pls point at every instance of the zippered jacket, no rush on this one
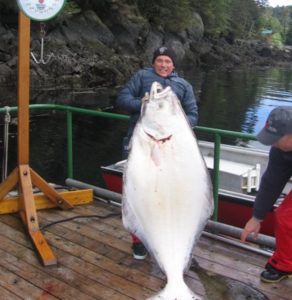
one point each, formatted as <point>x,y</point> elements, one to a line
<point>274,179</point>
<point>129,98</point>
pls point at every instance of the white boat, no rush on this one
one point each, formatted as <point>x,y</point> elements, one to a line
<point>240,172</point>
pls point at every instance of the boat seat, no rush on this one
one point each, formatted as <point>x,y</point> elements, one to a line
<point>249,174</point>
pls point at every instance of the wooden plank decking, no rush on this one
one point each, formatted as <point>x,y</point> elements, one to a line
<point>95,262</point>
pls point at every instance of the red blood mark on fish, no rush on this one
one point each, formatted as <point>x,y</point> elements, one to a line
<point>155,150</point>
<point>163,140</point>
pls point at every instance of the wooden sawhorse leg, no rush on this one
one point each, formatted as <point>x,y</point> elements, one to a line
<point>26,177</point>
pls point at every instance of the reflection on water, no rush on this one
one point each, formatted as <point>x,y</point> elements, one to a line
<point>238,100</point>
<point>241,100</point>
<point>276,91</point>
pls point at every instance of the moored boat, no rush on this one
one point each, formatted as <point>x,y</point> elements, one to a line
<point>240,171</point>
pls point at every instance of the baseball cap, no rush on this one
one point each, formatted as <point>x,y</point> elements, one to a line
<point>164,51</point>
<point>278,124</point>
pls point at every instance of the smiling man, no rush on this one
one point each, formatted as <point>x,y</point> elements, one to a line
<point>163,64</point>
<point>277,132</point>
<point>132,95</point>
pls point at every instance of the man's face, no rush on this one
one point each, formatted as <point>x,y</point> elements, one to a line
<point>163,65</point>
<point>284,143</point>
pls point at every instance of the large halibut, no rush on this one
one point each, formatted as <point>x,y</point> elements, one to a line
<point>167,192</point>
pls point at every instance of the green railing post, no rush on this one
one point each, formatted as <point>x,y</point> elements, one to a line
<point>216,177</point>
<point>69,144</point>
<point>218,133</point>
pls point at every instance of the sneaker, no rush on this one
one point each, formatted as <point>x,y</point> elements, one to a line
<point>139,251</point>
<point>271,274</point>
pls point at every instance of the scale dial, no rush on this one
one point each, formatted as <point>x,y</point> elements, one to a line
<point>41,10</point>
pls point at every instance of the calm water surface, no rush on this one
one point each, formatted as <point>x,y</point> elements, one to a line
<point>241,100</point>
<point>236,100</point>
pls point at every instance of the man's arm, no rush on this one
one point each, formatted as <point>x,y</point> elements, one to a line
<point>129,99</point>
<point>189,104</point>
<point>272,183</point>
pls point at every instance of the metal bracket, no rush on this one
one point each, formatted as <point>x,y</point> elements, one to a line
<point>42,60</point>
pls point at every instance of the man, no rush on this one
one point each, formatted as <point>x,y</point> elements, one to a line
<point>131,96</point>
<point>278,133</point>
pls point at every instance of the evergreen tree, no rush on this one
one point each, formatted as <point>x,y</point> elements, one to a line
<point>171,15</point>
<point>288,40</point>
<point>215,15</point>
<point>245,15</point>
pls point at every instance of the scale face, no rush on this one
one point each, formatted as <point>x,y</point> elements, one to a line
<point>41,10</point>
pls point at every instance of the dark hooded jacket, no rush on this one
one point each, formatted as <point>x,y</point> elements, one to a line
<point>274,179</point>
<point>129,98</point>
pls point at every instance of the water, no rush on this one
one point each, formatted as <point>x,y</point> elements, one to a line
<point>233,100</point>
<point>241,100</point>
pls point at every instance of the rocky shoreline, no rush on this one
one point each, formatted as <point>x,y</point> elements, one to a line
<point>93,58</point>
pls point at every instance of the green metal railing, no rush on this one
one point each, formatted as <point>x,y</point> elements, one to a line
<point>69,110</point>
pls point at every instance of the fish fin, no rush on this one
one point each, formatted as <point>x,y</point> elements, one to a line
<point>171,292</point>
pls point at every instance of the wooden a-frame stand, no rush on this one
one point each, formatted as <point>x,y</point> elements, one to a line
<point>23,175</point>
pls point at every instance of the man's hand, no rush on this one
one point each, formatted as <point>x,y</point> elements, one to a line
<point>252,226</point>
<point>145,98</point>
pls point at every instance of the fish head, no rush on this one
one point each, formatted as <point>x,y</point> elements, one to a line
<point>158,111</point>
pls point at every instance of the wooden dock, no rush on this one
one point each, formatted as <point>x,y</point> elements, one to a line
<point>95,262</point>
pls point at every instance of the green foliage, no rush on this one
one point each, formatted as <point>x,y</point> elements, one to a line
<point>269,22</point>
<point>171,15</point>
<point>277,39</point>
<point>215,15</point>
<point>71,8</point>
<point>279,20</point>
<point>244,17</point>
<point>241,18</point>
<point>288,39</point>
<point>284,16</point>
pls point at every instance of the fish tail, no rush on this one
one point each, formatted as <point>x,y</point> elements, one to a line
<point>174,292</point>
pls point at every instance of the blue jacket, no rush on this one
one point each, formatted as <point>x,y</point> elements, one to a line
<point>129,98</point>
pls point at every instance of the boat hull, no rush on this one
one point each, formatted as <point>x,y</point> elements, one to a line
<point>233,209</point>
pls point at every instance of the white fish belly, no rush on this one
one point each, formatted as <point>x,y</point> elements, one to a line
<point>167,196</point>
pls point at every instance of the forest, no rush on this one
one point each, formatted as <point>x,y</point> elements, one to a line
<point>237,18</point>
<point>244,19</point>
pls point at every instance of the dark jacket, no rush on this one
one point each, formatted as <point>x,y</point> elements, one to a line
<point>273,181</point>
<point>129,99</point>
